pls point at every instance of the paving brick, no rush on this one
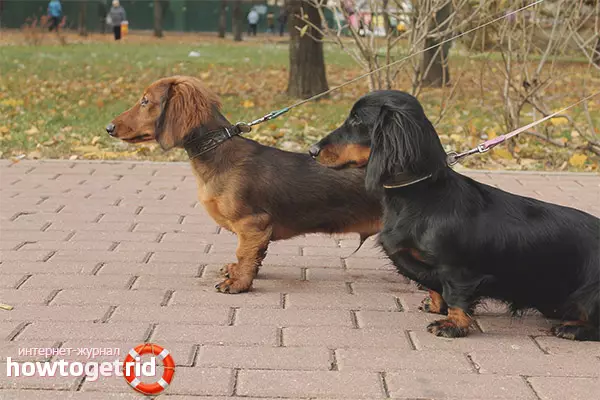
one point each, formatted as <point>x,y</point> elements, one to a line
<point>150,269</point>
<point>70,245</point>
<point>176,228</point>
<point>109,297</point>
<point>85,330</point>
<point>369,263</point>
<point>424,340</point>
<point>35,381</point>
<point>397,320</point>
<point>200,238</point>
<point>373,301</point>
<point>345,252</point>
<point>535,364</point>
<point>285,318</point>
<point>442,386</point>
<point>172,282</point>
<point>312,240</point>
<point>559,388</point>
<point>309,384</point>
<point>99,256</point>
<point>280,358</point>
<point>196,381</point>
<point>298,286</point>
<point>345,337</point>
<point>182,314</point>
<point>210,298</point>
<point>151,218</point>
<point>355,275</point>
<point>36,313</point>
<point>6,329</point>
<point>155,247</point>
<point>10,245</point>
<point>33,236</point>
<point>25,255</point>
<point>8,226</point>
<point>50,267</point>
<point>522,326</point>
<point>405,360</point>
<point>554,345</point>
<point>143,237</point>
<point>25,296</point>
<point>231,335</point>
<point>191,257</point>
<point>303,261</point>
<point>123,226</point>
<point>77,281</point>
<point>10,281</point>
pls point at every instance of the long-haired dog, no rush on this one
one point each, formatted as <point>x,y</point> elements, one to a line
<point>461,239</point>
<point>258,192</point>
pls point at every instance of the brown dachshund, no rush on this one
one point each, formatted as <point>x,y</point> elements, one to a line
<point>258,192</point>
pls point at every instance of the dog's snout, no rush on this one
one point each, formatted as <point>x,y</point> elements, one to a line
<point>110,129</point>
<point>314,150</point>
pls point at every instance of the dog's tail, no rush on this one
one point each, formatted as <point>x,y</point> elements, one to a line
<point>363,238</point>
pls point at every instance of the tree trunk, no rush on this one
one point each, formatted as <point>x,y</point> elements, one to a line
<point>386,18</point>
<point>223,19</point>
<point>82,28</point>
<point>307,65</point>
<point>237,21</point>
<point>437,74</point>
<point>158,18</point>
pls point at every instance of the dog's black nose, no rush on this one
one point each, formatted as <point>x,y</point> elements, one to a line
<point>314,151</point>
<point>110,129</point>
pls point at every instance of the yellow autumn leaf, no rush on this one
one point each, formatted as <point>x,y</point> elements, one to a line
<point>303,30</point>
<point>32,131</point>
<point>95,140</point>
<point>557,121</point>
<point>502,153</point>
<point>248,104</point>
<point>577,160</point>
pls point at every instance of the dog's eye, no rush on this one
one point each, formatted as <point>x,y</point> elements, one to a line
<point>144,101</point>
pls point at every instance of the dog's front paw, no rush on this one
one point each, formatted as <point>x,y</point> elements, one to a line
<point>428,305</point>
<point>232,286</point>
<point>576,332</point>
<point>226,269</point>
<point>447,328</point>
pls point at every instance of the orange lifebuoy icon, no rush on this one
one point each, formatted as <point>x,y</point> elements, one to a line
<point>133,357</point>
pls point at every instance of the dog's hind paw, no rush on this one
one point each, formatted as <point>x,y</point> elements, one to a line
<point>447,328</point>
<point>576,331</point>
<point>428,305</point>
<point>225,270</point>
<point>232,286</point>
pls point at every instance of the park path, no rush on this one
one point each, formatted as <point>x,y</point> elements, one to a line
<point>113,254</point>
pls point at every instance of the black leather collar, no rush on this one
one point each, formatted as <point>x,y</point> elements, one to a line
<point>199,141</point>
<point>404,179</point>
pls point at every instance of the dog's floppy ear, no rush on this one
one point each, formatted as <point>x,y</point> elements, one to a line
<point>402,145</point>
<point>184,106</point>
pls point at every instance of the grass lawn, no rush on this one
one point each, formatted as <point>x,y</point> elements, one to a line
<point>55,100</point>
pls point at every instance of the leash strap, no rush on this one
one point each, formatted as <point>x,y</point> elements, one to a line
<point>454,157</point>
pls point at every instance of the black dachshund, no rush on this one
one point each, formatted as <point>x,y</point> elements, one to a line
<point>463,239</point>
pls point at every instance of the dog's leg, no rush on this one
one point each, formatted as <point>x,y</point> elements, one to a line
<point>224,271</point>
<point>576,330</point>
<point>434,303</point>
<point>254,234</point>
<point>459,297</point>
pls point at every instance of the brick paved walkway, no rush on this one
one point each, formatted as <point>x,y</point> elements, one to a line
<point>115,254</point>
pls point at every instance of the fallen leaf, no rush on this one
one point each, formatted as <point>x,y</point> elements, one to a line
<point>73,157</point>
<point>32,131</point>
<point>248,104</point>
<point>95,140</point>
<point>577,160</point>
<point>559,121</point>
<point>502,153</point>
<point>34,155</point>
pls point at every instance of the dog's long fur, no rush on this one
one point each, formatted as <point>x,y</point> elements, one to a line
<point>463,239</point>
<point>258,192</point>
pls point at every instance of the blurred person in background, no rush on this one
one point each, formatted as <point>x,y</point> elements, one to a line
<point>117,16</point>
<point>253,22</point>
<point>55,13</point>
